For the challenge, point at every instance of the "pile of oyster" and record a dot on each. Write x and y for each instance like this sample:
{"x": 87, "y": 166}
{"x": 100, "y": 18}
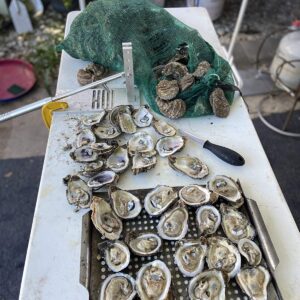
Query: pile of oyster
{"x": 103, "y": 159}
{"x": 174, "y": 78}
{"x": 210, "y": 260}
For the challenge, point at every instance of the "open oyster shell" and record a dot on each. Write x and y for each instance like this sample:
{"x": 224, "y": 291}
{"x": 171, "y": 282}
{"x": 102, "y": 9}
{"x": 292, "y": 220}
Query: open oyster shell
{"x": 166, "y": 146}
{"x": 92, "y": 168}
{"x": 254, "y": 282}
{"x": 85, "y": 137}
{"x": 143, "y": 162}
{"x": 173, "y": 224}
{"x": 106, "y": 131}
{"x": 105, "y": 220}
{"x": 93, "y": 119}
{"x": 140, "y": 142}
{"x": 153, "y": 281}
{"x": 104, "y": 149}
{"x": 125, "y": 204}
{"x": 235, "y": 224}
{"x": 116, "y": 254}
{"x": 250, "y": 251}
{"x": 84, "y": 154}
{"x": 159, "y": 199}
{"x": 208, "y": 219}
{"x": 101, "y": 179}
{"x": 118, "y": 286}
{"x": 223, "y": 255}
{"x": 126, "y": 123}
{"x": 227, "y": 188}
{"x": 78, "y": 193}
{"x": 196, "y": 195}
{"x": 191, "y": 166}
{"x": 143, "y": 243}
{"x": 163, "y": 128}
{"x": 118, "y": 161}
{"x": 190, "y": 256}
{"x": 142, "y": 117}
{"x": 116, "y": 111}
{"x": 207, "y": 285}
{"x": 167, "y": 89}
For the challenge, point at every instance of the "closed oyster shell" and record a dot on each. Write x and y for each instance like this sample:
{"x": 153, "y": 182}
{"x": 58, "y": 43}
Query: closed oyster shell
{"x": 118, "y": 161}
{"x": 223, "y": 255}
{"x": 191, "y": 166}
{"x": 163, "y": 128}
{"x": 101, "y": 179}
{"x": 173, "y": 224}
{"x": 140, "y": 142}
{"x": 190, "y": 256}
{"x": 254, "y": 282}
{"x": 85, "y": 137}
{"x": 167, "y": 89}
{"x": 202, "y": 69}
{"x": 143, "y": 243}
{"x": 105, "y": 220}
{"x": 219, "y": 103}
{"x": 153, "y": 281}
{"x": 159, "y": 199}
{"x": 208, "y": 219}
{"x": 106, "y": 131}
{"x": 143, "y": 162}
{"x": 207, "y": 285}
{"x": 175, "y": 70}
{"x": 250, "y": 251}
{"x": 171, "y": 109}
{"x": 94, "y": 119}
{"x": 91, "y": 73}
{"x": 186, "y": 81}
{"x": 166, "y": 146}
{"x": 84, "y": 154}
{"x": 235, "y": 224}
{"x": 142, "y": 117}
{"x": 118, "y": 286}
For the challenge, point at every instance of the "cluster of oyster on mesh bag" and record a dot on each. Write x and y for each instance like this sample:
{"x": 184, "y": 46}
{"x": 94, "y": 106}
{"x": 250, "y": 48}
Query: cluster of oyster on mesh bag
{"x": 91, "y": 73}
{"x": 175, "y": 78}
{"x": 210, "y": 260}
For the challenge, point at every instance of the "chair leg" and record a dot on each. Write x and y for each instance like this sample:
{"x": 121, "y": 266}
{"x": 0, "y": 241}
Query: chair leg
{"x": 290, "y": 114}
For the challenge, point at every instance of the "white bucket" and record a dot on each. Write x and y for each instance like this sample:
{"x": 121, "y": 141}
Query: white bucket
{"x": 214, "y": 7}
{"x": 288, "y": 49}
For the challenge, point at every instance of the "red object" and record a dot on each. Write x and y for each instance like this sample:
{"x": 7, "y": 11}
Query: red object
{"x": 16, "y": 78}
{"x": 296, "y": 23}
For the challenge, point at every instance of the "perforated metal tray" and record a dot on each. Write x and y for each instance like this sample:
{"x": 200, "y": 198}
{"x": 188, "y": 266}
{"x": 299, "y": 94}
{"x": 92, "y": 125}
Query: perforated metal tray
{"x": 94, "y": 270}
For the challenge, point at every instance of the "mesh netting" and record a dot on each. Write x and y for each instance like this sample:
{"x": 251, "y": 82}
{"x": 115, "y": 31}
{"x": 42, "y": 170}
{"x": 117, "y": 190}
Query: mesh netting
{"x": 97, "y": 34}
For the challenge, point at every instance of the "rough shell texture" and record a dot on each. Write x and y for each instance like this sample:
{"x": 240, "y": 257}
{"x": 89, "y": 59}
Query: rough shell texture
{"x": 143, "y": 162}
{"x": 208, "y": 219}
{"x": 175, "y": 70}
{"x": 166, "y": 146}
{"x": 201, "y": 69}
{"x": 219, "y": 103}
{"x": 172, "y": 109}
{"x": 250, "y": 251}
{"x": 167, "y": 89}
{"x": 92, "y": 169}
{"x": 91, "y": 73}
{"x": 186, "y": 81}
{"x": 94, "y": 119}
{"x": 163, "y": 128}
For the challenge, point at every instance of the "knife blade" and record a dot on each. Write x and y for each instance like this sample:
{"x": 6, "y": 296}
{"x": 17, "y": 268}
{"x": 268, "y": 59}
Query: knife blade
{"x": 225, "y": 154}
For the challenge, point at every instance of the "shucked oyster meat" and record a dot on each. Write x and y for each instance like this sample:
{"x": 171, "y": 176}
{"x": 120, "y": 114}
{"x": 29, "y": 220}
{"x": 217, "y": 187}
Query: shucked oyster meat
{"x": 250, "y": 251}
{"x": 105, "y": 220}
{"x": 118, "y": 286}
{"x": 208, "y": 219}
{"x": 153, "y": 281}
{"x": 166, "y": 146}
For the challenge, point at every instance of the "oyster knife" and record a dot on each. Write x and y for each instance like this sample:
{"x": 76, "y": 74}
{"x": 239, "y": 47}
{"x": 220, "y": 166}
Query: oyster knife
{"x": 226, "y": 154}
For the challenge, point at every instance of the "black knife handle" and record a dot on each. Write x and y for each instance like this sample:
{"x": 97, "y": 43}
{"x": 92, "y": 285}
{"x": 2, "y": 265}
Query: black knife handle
{"x": 225, "y": 154}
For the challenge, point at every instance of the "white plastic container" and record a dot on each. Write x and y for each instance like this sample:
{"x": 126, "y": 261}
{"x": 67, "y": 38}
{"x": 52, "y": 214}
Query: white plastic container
{"x": 214, "y": 7}
{"x": 288, "y": 49}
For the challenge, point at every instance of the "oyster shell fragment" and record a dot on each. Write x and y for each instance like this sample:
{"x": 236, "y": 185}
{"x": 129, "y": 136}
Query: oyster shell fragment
{"x": 250, "y": 251}
{"x": 118, "y": 161}
{"x": 235, "y": 224}
{"x": 85, "y": 137}
{"x": 167, "y": 89}
{"x": 93, "y": 119}
{"x": 190, "y": 256}
{"x": 143, "y": 162}
{"x": 153, "y": 281}
{"x": 166, "y": 146}
{"x": 140, "y": 142}
{"x": 163, "y": 128}
{"x": 105, "y": 220}
{"x": 207, "y": 285}
{"x": 191, "y": 166}
{"x": 92, "y": 169}
{"x": 208, "y": 219}
{"x": 254, "y": 282}
{"x": 171, "y": 109}
{"x": 84, "y": 154}
{"x": 142, "y": 117}
{"x": 159, "y": 199}
{"x": 101, "y": 179}
{"x": 118, "y": 286}
{"x": 143, "y": 243}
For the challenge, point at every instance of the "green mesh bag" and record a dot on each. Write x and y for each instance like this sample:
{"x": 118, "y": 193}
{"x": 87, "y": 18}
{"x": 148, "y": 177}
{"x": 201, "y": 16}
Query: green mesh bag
{"x": 96, "y": 35}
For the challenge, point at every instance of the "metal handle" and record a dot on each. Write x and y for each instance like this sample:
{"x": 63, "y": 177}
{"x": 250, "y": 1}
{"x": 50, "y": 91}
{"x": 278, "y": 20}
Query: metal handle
{"x": 128, "y": 69}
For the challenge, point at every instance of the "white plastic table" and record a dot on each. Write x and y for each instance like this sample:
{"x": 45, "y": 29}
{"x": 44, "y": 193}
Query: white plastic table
{"x": 52, "y": 263}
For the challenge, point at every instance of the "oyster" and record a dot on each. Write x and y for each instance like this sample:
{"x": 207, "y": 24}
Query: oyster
{"x": 102, "y": 178}
{"x": 126, "y": 123}
{"x": 254, "y": 282}
{"x": 125, "y": 204}
{"x": 227, "y": 188}
{"x": 235, "y": 224}
{"x": 207, "y": 285}
{"x": 84, "y": 154}
{"x": 190, "y": 256}
{"x": 167, "y": 89}
{"x": 116, "y": 255}
{"x": 143, "y": 243}
{"x": 153, "y": 281}
{"x": 140, "y": 142}
{"x": 106, "y": 131}
{"x": 105, "y": 220}
{"x": 118, "y": 161}
{"x": 163, "y": 128}
{"x": 143, "y": 162}
{"x": 93, "y": 119}
{"x": 191, "y": 166}
{"x": 219, "y": 103}
{"x": 168, "y": 145}
{"x": 116, "y": 111}
{"x": 173, "y": 224}
{"x": 78, "y": 193}
{"x": 208, "y": 219}
{"x": 202, "y": 69}
{"x": 182, "y": 54}
{"x": 85, "y": 137}
{"x": 92, "y": 169}
{"x": 223, "y": 255}
{"x": 104, "y": 148}
{"x": 142, "y": 117}
{"x": 91, "y": 73}
{"x": 250, "y": 251}
{"x": 172, "y": 109}
{"x": 186, "y": 81}
{"x": 175, "y": 70}
{"x": 196, "y": 195}
{"x": 118, "y": 286}
{"x": 159, "y": 199}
